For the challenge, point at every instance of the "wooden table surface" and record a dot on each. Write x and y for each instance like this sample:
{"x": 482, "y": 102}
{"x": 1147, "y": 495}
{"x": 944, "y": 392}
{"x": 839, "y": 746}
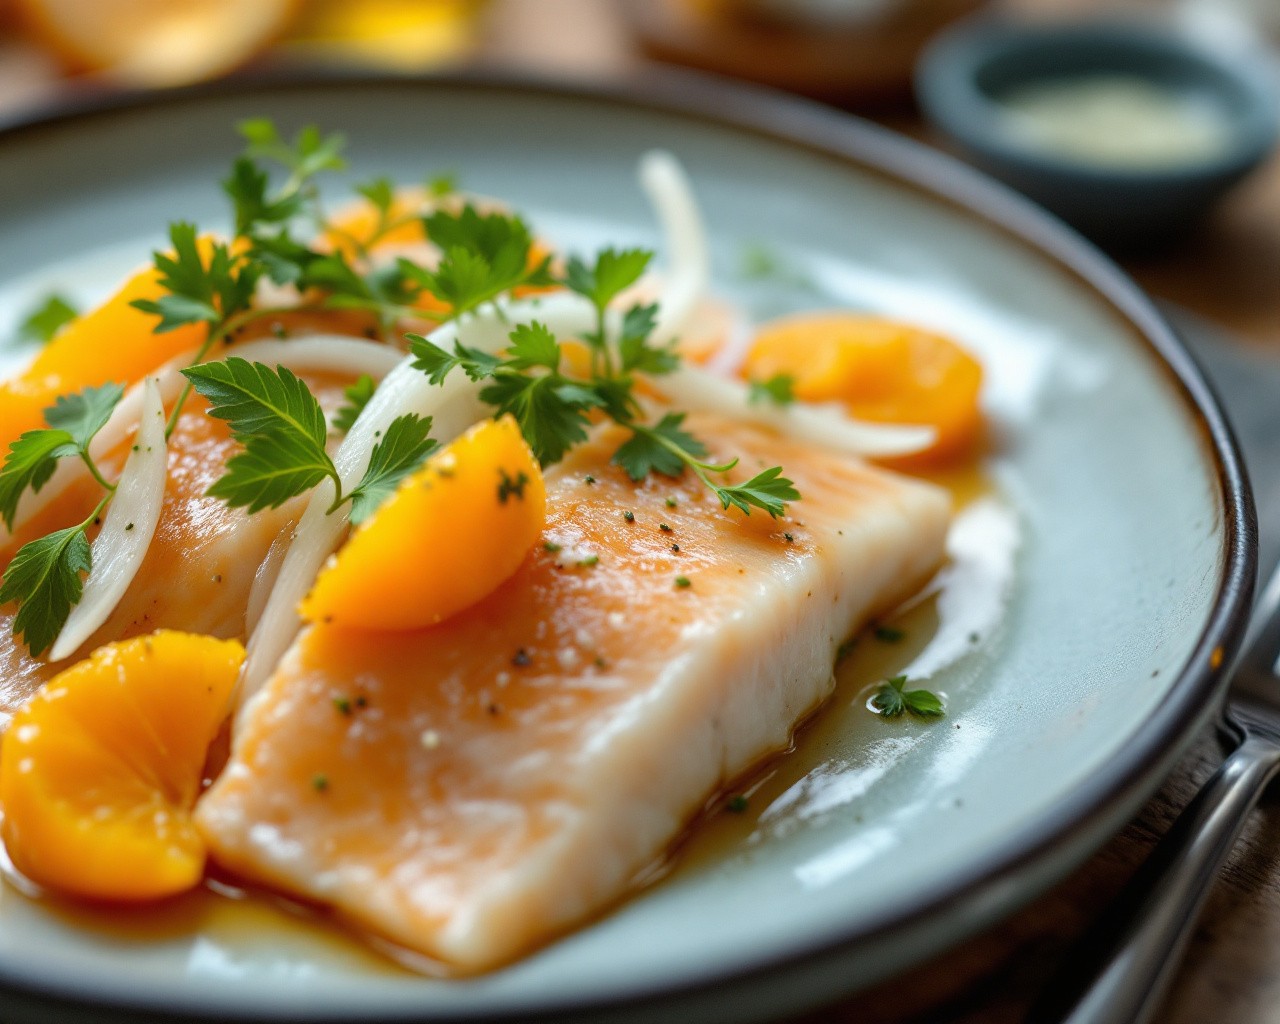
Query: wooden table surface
{"x": 1229, "y": 273}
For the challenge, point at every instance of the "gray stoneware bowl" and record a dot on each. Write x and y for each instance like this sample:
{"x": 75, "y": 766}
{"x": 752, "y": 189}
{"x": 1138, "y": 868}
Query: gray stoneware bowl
{"x": 962, "y": 76}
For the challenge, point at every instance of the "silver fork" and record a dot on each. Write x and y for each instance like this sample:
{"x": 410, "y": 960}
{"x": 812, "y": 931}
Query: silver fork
{"x": 1119, "y": 972}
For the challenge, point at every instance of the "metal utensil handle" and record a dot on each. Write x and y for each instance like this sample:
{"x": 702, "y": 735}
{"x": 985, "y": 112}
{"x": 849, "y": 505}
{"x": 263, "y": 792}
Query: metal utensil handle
{"x": 1129, "y": 957}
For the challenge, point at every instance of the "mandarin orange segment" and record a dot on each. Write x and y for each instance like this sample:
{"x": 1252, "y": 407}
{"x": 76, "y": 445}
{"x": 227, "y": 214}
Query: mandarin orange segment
{"x": 113, "y": 342}
{"x": 99, "y": 772}
{"x": 449, "y": 536}
{"x": 882, "y": 370}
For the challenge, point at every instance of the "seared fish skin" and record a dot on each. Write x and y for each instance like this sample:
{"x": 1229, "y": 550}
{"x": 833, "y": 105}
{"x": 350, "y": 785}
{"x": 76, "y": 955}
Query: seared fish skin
{"x": 469, "y": 791}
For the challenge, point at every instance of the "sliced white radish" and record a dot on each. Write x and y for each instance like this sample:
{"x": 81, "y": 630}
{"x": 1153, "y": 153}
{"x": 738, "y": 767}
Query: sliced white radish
{"x": 688, "y": 272}
{"x": 694, "y": 390}
{"x": 322, "y": 353}
{"x": 127, "y": 529}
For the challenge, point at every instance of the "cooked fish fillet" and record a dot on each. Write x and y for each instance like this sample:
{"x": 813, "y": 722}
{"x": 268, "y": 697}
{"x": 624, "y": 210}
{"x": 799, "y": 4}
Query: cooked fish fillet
{"x": 200, "y": 567}
{"x": 471, "y": 789}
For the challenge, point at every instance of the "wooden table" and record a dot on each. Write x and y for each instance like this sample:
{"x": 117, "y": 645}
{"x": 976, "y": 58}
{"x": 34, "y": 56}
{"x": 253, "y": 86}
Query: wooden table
{"x": 1229, "y": 273}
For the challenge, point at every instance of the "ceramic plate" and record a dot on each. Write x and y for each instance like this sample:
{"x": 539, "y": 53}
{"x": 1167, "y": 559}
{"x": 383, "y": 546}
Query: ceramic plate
{"x": 1098, "y": 574}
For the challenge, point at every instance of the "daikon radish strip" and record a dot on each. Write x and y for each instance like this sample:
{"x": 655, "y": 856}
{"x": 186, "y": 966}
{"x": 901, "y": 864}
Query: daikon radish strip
{"x": 323, "y": 353}
{"x": 264, "y": 580}
{"x": 454, "y": 406}
{"x": 127, "y": 528}
{"x": 688, "y": 261}
{"x": 693, "y": 390}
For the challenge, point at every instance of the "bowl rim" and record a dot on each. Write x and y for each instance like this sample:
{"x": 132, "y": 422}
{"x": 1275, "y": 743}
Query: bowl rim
{"x": 947, "y": 87}
{"x": 990, "y": 888}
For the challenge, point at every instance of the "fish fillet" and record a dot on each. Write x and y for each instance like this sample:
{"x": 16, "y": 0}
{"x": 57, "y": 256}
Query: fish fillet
{"x": 472, "y": 789}
{"x": 200, "y": 567}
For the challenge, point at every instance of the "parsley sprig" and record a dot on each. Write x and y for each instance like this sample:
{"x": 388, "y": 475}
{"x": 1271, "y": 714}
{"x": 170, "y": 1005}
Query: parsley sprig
{"x": 282, "y": 427}
{"x": 554, "y": 408}
{"x": 45, "y": 577}
{"x": 892, "y": 698}
{"x": 44, "y": 321}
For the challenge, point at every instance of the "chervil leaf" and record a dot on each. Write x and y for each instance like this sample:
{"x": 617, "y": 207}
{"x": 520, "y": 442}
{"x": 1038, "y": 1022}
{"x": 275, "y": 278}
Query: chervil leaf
{"x": 768, "y": 490}
{"x": 276, "y": 465}
{"x": 463, "y": 279}
{"x": 282, "y": 258}
{"x": 551, "y": 412}
{"x": 644, "y": 452}
{"x": 309, "y": 154}
{"x": 73, "y": 421}
{"x": 43, "y": 322}
{"x": 778, "y": 389}
{"x": 199, "y": 291}
{"x": 255, "y": 399}
{"x": 84, "y": 413}
{"x": 532, "y": 344}
{"x": 357, "y": 397}
{"x": 614, "y": 271}
{"x": 887, "y": 700}
{"x": 436, "y": 363}
{"x": 484, "y": 256}
{"x": 45, "y": 579}
{"x": 891, "y": 700}
{"x": 379, "y": 192}
{"x": 183, "y": 272}
{"x": 490, "y": 235}
{"x": 247, "y": 188}
{"x": 176, "y": 311}
{"x": 442, "y": 185}
{"x": 637, "y": 354}
{"x": 403, "y": 447}
{"x": 923, "y": 703}
{"x": 31, "y": 461}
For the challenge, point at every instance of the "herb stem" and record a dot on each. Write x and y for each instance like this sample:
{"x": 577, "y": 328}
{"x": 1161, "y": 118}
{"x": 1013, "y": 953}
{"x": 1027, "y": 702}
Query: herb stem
{"x": 97, "y": 511}
{"x": 95, "y": 472}
{"x": 219, "y": 332}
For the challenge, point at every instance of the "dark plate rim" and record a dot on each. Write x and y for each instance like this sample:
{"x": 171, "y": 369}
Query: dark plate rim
{"x": 988, "y": 889}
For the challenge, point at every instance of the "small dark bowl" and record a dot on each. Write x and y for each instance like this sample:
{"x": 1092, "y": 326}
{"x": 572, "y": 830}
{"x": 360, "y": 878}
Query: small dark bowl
{"x": 964, "y": 73}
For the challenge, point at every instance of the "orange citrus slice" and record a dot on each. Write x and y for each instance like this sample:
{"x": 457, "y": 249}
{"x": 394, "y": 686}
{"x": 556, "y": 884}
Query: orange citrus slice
{"x": 883, "y": 371}
{"x": 114, "y": 342}
{"x": 100, "y": 770}
{"x": 157, "y": 42}
{"x": 449, "y": 536}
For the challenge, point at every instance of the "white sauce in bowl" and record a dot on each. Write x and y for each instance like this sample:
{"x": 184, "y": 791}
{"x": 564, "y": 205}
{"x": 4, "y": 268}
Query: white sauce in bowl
{"x": 1116, "y": 121}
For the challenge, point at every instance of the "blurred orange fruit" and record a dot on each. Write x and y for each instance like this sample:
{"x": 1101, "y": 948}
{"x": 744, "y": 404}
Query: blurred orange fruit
{"x": 157, "y": 42}
{"x": 882, "y": 370}
{"x": 113, "y": 342}
{"x": 100, "y": 770}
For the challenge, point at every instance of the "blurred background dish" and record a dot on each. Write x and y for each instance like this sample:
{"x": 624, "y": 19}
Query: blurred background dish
{"x": 1126, "y": 131}
{"x": 844, "y": 51}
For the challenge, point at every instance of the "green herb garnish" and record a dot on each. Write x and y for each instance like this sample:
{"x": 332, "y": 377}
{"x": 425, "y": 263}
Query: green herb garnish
{"x": 46, "y": 320}
{"x": 778, "y": 389}
{"x": 45, "y": 577}
{"x": 891, "y": 699}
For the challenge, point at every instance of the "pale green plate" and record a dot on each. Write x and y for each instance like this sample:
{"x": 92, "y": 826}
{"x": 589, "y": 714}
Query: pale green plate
{"x": 1094, "y": 660}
